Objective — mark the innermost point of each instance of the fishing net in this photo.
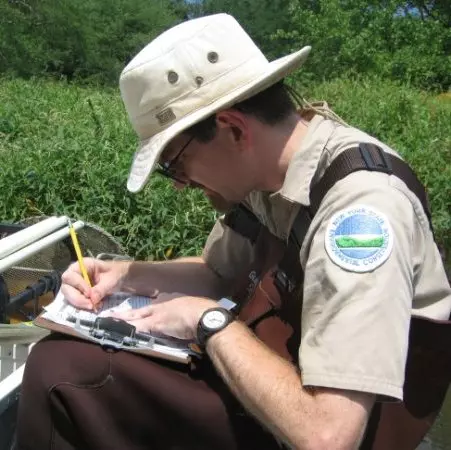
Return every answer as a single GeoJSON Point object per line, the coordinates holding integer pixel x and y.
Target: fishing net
{"type": "Point", "coordinates": [31, 284]}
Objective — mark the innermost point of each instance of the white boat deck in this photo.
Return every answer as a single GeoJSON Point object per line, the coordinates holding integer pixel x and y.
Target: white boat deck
{"type": "Point", "coordinates": [12, 363]}
{"type": "Point", "coordinates": [12, 356]}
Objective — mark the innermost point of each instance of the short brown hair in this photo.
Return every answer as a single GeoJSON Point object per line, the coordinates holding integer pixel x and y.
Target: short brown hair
{"type": "Point", "coordinates": [271, 106]}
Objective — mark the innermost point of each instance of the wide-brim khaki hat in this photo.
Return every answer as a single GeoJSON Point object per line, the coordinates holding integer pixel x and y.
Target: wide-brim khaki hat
{"type": "Point", "coordinates": [188, 73]}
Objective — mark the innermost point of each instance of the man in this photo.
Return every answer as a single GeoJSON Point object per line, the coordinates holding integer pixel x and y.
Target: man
{"type": "Point", "coordinates": [211, 112]}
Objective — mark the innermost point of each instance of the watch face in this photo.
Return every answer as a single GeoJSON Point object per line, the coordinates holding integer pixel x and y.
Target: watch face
{"type": "Point", "coordinates": [214, 320]}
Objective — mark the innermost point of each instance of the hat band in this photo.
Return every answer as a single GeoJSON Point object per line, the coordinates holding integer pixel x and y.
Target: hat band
{"type": "Point", "coordinates": [153, 122]}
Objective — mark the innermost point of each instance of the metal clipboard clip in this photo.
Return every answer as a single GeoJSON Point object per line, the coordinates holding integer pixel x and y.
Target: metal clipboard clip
{"type": "Point", "coordinates": [118, 333]}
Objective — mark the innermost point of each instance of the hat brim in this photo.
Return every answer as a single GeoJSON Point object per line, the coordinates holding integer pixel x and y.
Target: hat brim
{"type": "Point", "coordinates": [150, 149]}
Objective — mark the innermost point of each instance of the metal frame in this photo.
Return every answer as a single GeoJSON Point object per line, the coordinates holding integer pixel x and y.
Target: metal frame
{"type": "Point", "coordinates": [20, 243]}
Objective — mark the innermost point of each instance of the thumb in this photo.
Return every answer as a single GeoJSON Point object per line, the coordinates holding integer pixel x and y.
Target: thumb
{"type": "Point", "coordinates": [97, 293]}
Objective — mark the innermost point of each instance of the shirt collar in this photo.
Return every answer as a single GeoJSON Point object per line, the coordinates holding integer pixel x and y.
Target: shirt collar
{"type": "Point", "coordinates": [278, 210]}
{"type": "Point", "coordinates": [304, 162]}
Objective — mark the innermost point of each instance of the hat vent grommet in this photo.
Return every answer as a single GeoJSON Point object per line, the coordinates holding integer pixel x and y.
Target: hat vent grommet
{"type": "Point", "coordinates": [212, 57]}
{"type": "Point", "coordinates": [199, 80]}
{"type": "Point", "coordinates": [173, 77]}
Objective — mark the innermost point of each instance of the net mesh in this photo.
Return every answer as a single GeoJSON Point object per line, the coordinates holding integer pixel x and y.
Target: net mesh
{"type": "Point", "coordinates": [54, 259]}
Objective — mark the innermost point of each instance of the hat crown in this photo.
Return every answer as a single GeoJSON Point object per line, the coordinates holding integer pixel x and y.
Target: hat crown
{"type": "Point", "coordinates": [187, 68]}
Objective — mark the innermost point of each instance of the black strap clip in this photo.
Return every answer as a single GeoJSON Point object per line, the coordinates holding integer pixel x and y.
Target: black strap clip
{"type": "Point", "coordinates": [114, 330]}
{"type": "Point", "coordinates": [283, 283]}
{"type": "Point", "coordinates": [375, 158]}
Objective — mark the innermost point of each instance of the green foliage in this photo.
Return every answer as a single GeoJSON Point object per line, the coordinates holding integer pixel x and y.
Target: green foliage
{"type": "Point", "coordinates": [399, 40]}
{"type": "Point", "coordinates": [84, 39]}
{"type": "Point", "coordinates": [94, 39]}
{"type": "Point", "coordinates": [262, 19]}
{"type": "Point", "coordinates": [67, 150]}
{"type": "Point", "coordinates": [59, 155]}
{"type": "Point", "coordinates": [386, 38]}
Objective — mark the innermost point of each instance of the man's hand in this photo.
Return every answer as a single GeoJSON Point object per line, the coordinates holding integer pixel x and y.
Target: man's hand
{"type": "Point", "coordinates": [105, 277]}
{"type": "Point", "coordinates": [177, 318]}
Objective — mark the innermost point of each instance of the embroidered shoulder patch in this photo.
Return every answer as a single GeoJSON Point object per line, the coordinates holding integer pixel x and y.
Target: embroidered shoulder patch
{"type": "Point", "coordinates": [359, 238]}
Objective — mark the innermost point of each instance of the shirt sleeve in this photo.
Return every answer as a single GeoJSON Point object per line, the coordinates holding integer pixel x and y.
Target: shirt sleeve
{"type": "Point", "coordinates": [227, 252]}
{"type": "Point", "coordinates": [358, 287]}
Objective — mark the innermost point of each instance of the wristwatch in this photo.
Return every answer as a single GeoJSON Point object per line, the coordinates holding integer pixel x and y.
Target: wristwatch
{"type": "Point", "coordinates": [212, 321]}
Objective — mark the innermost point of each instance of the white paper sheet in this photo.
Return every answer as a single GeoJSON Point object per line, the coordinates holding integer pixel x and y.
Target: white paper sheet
{"type": "Point", "coordinates": [60, 311]}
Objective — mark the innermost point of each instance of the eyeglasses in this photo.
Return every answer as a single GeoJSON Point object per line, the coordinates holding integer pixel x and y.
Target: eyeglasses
{"type": "Point", "coordinates": [169, 168]}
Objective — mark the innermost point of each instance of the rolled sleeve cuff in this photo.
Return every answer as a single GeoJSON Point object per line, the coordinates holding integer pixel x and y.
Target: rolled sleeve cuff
{"type": "Point", "coordinates": [384, 388]}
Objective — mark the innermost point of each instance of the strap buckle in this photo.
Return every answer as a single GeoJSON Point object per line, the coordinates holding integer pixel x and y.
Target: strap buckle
{"type": "Point", "coordinates": [283, 283]}
{"type": "Point", "coordinates": [370, 153]}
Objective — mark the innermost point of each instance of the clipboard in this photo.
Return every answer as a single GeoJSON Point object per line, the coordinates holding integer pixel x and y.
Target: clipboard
{"type": "Point", "coordinates": [115, 333]}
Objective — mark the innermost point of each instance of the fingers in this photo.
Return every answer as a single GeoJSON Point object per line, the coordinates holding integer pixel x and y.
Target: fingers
{"type": "Point", "coordinates": [77, 291]}
{"type": "Point", "coordinates": [98, 292]}
{"type": "Point", "coordinates": [143, 325]}
{"type": "Point", "coordinates": [73, 278]}
{"type": "Point", "coordinates": [90, 264]}
{"type": "Point", "coordinates": [140, 318]}
{"type": "Point", "coordinates": [134, 314]}
{"type": "Point", "coordinates": [75, 297]}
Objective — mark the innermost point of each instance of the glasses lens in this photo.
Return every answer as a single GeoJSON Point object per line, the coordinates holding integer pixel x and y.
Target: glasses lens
{"type": "Point", "coordinates": [167, 173]}
{"type": "Point", "coordinates": [169, 169]}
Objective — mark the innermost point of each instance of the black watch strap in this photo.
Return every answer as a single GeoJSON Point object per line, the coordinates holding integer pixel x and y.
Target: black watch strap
{"type": "Point", "coordinates": [204, 332]}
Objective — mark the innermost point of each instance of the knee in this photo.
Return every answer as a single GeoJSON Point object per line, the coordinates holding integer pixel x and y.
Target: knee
{"type": "Point", "coordinates": [62, 359]}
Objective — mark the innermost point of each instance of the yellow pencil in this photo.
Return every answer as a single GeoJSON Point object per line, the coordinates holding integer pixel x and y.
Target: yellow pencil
{"type": "Point", "coordinates": [83, 270]}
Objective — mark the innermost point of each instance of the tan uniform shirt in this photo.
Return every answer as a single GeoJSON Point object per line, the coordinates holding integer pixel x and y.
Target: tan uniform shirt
{"type": "Point", "coordinates": [356, 310]}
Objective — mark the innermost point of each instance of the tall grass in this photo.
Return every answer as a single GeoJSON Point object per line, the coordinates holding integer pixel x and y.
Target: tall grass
{"type": "Point", "coordinates": [66, 149]}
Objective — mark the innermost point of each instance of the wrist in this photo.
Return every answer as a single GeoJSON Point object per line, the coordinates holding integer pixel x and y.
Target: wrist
{"type": "Point", "coordinates": [223, 337]}
{"type": "Point", "coordinates": [123, 277]}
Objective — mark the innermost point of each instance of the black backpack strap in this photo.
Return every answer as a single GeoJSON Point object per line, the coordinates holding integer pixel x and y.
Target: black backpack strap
{"type": "Point", "coordinates": [243, 221]}
{"type": "Point", "coordinates": [364, 157]}
{"type": "Point", "coordinates": [367, 157]}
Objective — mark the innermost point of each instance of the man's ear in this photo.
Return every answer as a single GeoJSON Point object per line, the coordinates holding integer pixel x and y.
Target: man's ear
{"type": "Point", "coordinates": [237, 122]}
